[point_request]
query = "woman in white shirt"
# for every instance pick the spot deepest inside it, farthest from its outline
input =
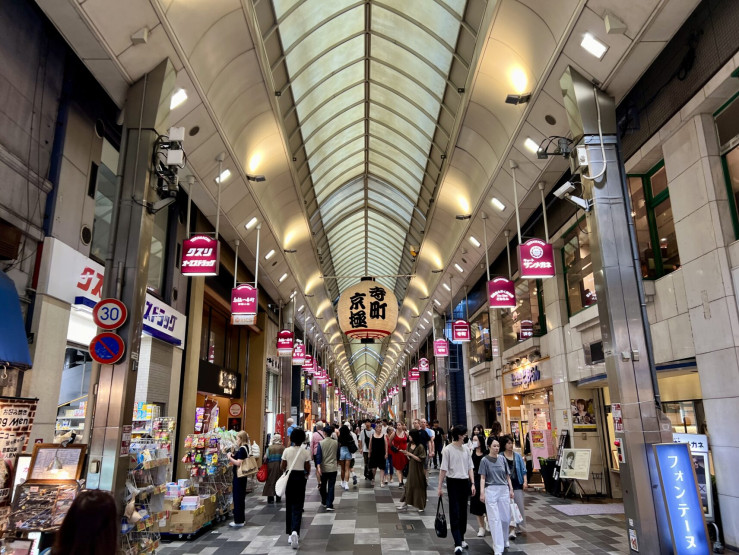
(297, 457)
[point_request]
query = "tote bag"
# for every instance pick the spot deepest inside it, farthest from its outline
(281, 483)
(263, 473)
(440, 521)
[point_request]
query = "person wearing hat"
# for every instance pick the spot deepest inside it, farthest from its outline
(273, 460)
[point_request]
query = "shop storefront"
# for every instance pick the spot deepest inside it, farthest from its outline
(77, 281)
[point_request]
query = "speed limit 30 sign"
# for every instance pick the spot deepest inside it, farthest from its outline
(109, 314)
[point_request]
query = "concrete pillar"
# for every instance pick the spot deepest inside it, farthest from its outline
(188, 400)
(256, 379)
(49, 328)
(146, 112)
(622, 320)
(710, 267)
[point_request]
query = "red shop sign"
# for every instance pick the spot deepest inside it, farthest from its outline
(308, 364)
(299, 354)
(200, 256)
(285, 343)
(460, 331)
(501, 293)
(536, 259)
(244, 299)
(441, 348)
(423, 365)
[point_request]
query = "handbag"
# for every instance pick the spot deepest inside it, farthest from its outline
(516, 515)
(352, 447)
(248, 465)
(263, 473)
(281, 483)
(440, 521)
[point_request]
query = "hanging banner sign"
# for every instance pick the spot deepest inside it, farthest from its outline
(413, 376)
(308, 364)
(441, 348)
(501, 293)
(536, 259)
(200, 255)
(527, 330)
(285, 343)
(243, 319)
(461, 331)
(423, 365)
(298, 354)
(682, 499)
(244, 299)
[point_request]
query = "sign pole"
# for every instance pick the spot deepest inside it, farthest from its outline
(544, 211)
(514, 165)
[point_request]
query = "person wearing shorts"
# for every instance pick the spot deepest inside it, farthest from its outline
(345, 454)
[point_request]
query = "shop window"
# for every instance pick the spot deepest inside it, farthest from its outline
(72, 405)
(686, 417)
(106, 189)
(158, 252)
(578, 268)
(730, 162)
(655, 227)
(527, 319)
(480, 346)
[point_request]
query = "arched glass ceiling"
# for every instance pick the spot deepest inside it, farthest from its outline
(368, 81)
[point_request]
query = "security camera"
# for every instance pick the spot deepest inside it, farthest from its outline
(564, 190)
(154, 207)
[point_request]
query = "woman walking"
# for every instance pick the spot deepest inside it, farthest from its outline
(377, 455)
(389, 470)
(456, 467)
(273, 459)
(398, 444)
(239, 484)
(296, 457)
(519, 479)
(416, 484)
(477, 507)
(347, 446)
(495, 478)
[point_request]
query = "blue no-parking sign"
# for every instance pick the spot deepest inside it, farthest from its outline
(107, 348)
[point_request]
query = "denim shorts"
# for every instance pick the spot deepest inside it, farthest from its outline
(344, 454)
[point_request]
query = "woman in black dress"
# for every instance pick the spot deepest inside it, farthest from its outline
(377, 455)
(477, 507)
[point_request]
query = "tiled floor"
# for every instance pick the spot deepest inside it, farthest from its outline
(366, 521)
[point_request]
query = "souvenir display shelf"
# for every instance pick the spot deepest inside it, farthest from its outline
(144, 416)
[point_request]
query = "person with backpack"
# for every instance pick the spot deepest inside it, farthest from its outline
(347, 448)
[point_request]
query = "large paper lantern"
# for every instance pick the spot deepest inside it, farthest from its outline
(368, 310)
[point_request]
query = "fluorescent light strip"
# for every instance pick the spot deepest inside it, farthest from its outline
(447, 287)
(225, 174)
(269, 255)
(474, 241)
(251, 223)
(459, 268)
(283, 278)
(531, 145)
(177, 98)
(497, 204)
(593, 46)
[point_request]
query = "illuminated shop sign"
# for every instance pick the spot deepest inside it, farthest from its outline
(524, 377)
(536, 259)
(461, 331)
(441, 348)
(501, 293)
(285, 343)
(200, 256)
(244, 299)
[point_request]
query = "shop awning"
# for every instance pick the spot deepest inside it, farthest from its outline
(13, 342)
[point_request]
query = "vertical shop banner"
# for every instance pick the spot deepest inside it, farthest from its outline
(682, 498)
(461, 331)
(298, 354)
(501, 293)
(200, 255)
(441, 348)
(210, 416)
(16, 421)
(423, 365)
(536, 259)
(285, 343)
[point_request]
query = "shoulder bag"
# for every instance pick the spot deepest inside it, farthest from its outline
(248, 465)
(440, 521)
(281, 483)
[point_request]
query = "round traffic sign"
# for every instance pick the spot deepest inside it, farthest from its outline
(109, 314)
(107, 348)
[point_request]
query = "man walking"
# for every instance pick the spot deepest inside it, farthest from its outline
(327, 467)
(427, 436)
(457, 468)
(438, 442)
(365, 436)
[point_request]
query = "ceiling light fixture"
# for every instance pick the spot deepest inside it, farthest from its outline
(269, 255)
(497, 204)
(256, 178)
(474, 241)
(447, 287)
(463, 217)
(177, 98)
(459, 268)
(289, 251)
(302, 306)
(436, 301)
(531, 144)
(225, 174)
(283, 277)
(426, 320)
(517, 98)
(251, 223)
(593, 46)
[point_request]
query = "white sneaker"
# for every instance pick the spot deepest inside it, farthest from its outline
(295, 540)
(512, 535)
(458, 550)
(465, 545)
(289, 539)
(481, 532)
(236, 524)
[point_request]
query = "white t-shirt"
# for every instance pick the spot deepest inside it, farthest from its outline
(363, 435)
(301, 453)
(457, 461)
